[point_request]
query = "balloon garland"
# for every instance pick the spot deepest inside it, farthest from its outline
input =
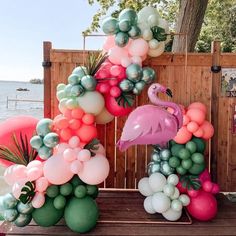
(55, 165)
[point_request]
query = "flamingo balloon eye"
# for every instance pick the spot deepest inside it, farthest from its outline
(154, 87)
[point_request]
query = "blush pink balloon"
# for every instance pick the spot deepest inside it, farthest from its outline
(138, 47)
(57, 170)
(95, 171)
(183, 135)
(69, 155)
(38, 200)
(60, 148)
(74, 142)
(20, 171)
(35, 163)
(10, 177)
(116, 54)
(126, 61)
(136, 60)
(101, 150)
(76, 166)
(17, 186)
(109, 43)
(41, 184)
(84, 155)
(34, 173)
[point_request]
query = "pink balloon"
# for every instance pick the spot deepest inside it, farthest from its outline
(76, 166)
(116, 54)
(136, 60)
(109, 43)
(10, 177)
(84, 155)
(57, 170)
(38, 200)
(34, 173)
(183, 135)
(69, 155)
(35, 163)
(20, 171)
(17, 186)
(74, 142)
(95, 171)
(126, 61)
(208, 130)
(41, 184)
(60, 148)
(198, 105)
(196, 115)
(138, 47)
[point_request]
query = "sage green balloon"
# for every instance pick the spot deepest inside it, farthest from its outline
(121, 39)
(80, 191)
(59, 202)
(88, 82)
(52, 191)
(134, 32)
(73, 79)
(166, 169)
(149, 75)
(25, 208)
(165, 154)
(10, 214)
(36, 142)
(124, 25)
(92, 190)
(9, 201)
(61, 94)
(47, 215)
(67, 90)
(61, 87)
(136, 91)
(155, 156)
(140, 85)
(134, 72)
(75, 181)
(81, 215)
(80, 71)
(23, 220)
(126, 85)
(72, 103)
(51, 139)
(153, 167)
(110, 26)
(130, 15)
(45, 152)
(44, 126)
(77, 90)
(66, 189)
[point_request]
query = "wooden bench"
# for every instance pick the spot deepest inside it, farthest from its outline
(122, 213)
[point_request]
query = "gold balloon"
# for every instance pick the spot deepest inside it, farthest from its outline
(104, 117)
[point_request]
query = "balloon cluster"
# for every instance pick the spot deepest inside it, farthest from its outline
(194, 123)
(162, 196)
(15, 211)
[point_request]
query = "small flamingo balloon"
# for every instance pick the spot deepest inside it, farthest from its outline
(152, 124)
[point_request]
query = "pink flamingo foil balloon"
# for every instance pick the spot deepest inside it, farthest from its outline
(152, 124)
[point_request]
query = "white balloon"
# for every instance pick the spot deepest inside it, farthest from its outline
(176, 205)
(164, 24)
(145, 12)
(173, 179)
(158, 51)
(144, 187)
(153, 20)
(92, 102)
(147, 34)
(160, 202)
(184, 199)
(172, 215)
(157, 181)
(175, 195)
(153, 44)
(148, 205)
(169, 190)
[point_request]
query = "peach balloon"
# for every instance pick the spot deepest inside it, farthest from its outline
(196, 115)
(198, 105)
(199, 133)
(183, 135)
(95, 171)
(186, 119)
(57, 170)
(67, 113)
(65, 134)
(41, 184)
(88, 119)
(77, 113)
(192, 126)
(61, 123)
(86, 133)
(208, 130)
(74, 124)
(38, 200)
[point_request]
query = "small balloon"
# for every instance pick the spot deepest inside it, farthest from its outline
(38, 200)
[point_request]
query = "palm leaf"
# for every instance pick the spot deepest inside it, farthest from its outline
(27, 192)
(92, 145)
(159, 33)
(125, 100)
(190, 182)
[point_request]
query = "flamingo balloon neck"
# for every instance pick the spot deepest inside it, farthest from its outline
(177, 110)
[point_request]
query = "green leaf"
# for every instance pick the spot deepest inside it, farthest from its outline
(27, 192)
(125, 100)
(92, 145)
(159, 33)
(190, 182)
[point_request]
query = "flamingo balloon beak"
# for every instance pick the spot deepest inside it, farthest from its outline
(169, 92)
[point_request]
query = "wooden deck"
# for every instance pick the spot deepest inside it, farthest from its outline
(121, 213)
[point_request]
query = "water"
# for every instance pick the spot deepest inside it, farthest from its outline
(8, 89)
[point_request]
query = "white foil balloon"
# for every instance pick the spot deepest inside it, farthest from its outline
(144, 187)
(160, 202)
(148, 205)
(172, 215)
(157, 182)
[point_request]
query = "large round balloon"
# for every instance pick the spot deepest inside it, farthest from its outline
(81, 215)
(25, 125)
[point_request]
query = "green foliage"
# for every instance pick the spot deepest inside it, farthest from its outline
(27, 192)
(92, 146)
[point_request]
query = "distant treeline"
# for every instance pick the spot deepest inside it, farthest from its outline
(36, 81)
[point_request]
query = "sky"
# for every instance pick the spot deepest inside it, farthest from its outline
(25, 24)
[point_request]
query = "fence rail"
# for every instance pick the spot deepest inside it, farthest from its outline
(16, 100)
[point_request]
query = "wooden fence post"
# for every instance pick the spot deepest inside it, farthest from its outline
(216, 76)
(47, 46)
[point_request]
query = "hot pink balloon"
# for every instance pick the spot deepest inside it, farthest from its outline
(115, 70)
(95, 171)
(41, 184)
(116, 54)
(38, 200)
(138, 47)
(142, 128)
(57, 170)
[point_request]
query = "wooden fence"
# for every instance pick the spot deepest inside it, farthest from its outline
(190, 78)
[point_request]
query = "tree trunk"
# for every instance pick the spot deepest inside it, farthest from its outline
(190, 19)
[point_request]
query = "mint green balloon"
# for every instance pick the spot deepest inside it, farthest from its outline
(156, 157)
(36, 142)
(60, 95)
(52, 191)
(110, 26)
(10, 214)
(134, 72)
(60, 87)
(149, 75)
(126, 85)
(130, 15)
(51, 139)
(124, 25)
(81, 215)
(121, 39)
(23, 220)
(80, 71)
(45, 152)
(88, 82)
(136, 91)
(134, 32)
(153, 167)
(47, 215)
(140, 85)
(25, 208)
(77, 90)
(67, 90)
(44, 126)
(72, 103)
(73, 79)
(59, 202)
(9, 201)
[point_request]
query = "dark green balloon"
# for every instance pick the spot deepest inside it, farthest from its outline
(197, 169)
(75, 181)
(89, 82)
(59, 202)
(134, 72)
(166, 169)
(201, 144)
(23, 220)
(81, 215)
(25, 208)
(66, 189)
(155, 156)
(124, 25)
(126, 85)
(92, 190)
(47, 215)
(149, 75)
(134, 32)
(121, 39)
(52, 191)
(80, 191)
(9, 201)
(130, 15)
(174, 162)
(110, 26)
(153, 167)
(175, 149)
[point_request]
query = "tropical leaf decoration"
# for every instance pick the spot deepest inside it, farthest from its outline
(94, 62)
(125, 100)
(92, 146)
(20, 152)
(27, 192)
(190, 182)
(159, 33)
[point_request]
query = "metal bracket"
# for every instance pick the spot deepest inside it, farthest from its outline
(216, 69)
(46, 64)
